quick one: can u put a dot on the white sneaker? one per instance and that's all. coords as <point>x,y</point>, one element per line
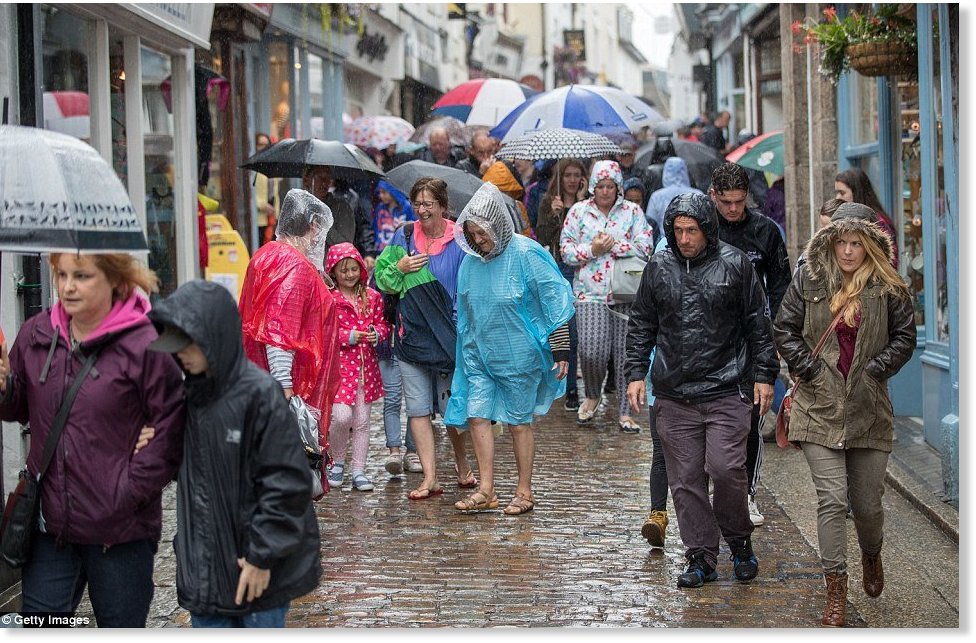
<point>394,464</point>
<point>411,462</point>
<point>754,515</point>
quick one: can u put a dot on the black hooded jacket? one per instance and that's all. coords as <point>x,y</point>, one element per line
<point>707,317</point>
<point>758,237</point>
<point>244,488</point>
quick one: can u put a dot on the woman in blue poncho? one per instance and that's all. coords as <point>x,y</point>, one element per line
<point>513,306</point>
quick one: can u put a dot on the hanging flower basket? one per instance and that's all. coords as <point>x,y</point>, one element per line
<point>882,59</point>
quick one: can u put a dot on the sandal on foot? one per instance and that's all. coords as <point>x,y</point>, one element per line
<point>519,505</point>
<point>629,426</point>
<point>423,493</point>
<point>478,501</point>
<point>585,415</point>
<point>469,482</point>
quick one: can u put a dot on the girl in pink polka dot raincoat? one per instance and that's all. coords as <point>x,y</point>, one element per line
<point>359,317</point>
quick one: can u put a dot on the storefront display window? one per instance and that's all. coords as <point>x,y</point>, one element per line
<point>941,293</point>
<point>160,197</point>
<point>65,52</point>
<point>316,84</point>
<point>865,92</point>
<point>910,229</point>
<point>117,101</point>
<point>280,86</point>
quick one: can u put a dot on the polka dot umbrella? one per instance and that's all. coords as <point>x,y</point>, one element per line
<point>378,132</point>
<point>558,143</point>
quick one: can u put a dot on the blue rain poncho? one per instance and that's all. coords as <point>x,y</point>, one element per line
<point>508,303</point>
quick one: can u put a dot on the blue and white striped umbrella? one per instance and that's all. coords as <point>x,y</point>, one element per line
<point>590,108</point>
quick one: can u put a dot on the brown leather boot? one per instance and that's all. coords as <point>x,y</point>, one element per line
<point>873,574</point>
<point>836,609</point>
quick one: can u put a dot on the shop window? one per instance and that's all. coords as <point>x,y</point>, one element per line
<point>865,113</point>
<point>65,53</point>
<point>910,168</point>
<point>157,124</point>
<point>316,85</point>
<point>280,87</point>
<point>116,54</point>
<point>941,283</point>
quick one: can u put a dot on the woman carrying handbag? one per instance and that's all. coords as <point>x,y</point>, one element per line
<point>841,414</point>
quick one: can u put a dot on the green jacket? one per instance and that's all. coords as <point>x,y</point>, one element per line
<point>827,410</point>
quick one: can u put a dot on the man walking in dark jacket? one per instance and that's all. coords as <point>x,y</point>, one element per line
<point>756,235</point>
<point>702,306</point>
<point>247,541</point>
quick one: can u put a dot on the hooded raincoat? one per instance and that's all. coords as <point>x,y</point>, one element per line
<point>675,181</point>
<point>244,488</point>
<point>707,317</point>
<point>509,302</point>
<point>357,360</point>
<point>502,175</point>
<point>829,409</point>
<point>387,219</point>
<point>285,303</point>
<point>625,223</point>
<point>96,492</point>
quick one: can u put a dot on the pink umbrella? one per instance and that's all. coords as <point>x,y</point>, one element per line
<point>377,132</point>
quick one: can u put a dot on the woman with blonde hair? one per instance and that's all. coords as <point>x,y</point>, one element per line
<point>101,512</point>
<point>849,294</point>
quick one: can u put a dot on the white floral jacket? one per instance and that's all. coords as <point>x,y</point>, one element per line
<point>625,223</point>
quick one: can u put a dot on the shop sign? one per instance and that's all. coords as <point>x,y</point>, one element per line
<point>372,46</point>
<point>191,21</point>
<point>575,39</point>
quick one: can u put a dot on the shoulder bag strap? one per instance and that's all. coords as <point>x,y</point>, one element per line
<point>57,427</point>
<point>823,339</point>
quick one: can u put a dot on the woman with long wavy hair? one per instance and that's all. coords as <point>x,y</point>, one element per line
<point>842,416</point>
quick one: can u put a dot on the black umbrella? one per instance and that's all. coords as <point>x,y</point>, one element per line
<point>461,186</point>
<point>57,194</point>
<point>700,159</point>
<point>289,158</point>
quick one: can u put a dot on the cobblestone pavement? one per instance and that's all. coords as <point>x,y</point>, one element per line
<point>577,560</point>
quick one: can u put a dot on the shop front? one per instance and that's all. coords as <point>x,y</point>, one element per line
<point>903,132</point>
<point>374,65</point>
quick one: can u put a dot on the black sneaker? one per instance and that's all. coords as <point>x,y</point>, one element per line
<point>698,573</point>
<point>744,562</point>
<point>571,403</point>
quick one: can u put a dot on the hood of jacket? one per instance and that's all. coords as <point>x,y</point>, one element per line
<point>398,196</point>
<point>607,170</point>
<point>675,173</point>
<point>504,176</point>
<point>818,249</point>
<point>206,311</point>
<point>124,314</point>
<point>488,211</point>
<point>700,208</point>
<point>342,251</point>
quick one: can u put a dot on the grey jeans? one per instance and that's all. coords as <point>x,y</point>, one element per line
<point>707,438</point>
<point>835,473</point>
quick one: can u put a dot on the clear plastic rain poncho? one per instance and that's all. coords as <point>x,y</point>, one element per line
<point>509,301</point>
<point>304,223</point>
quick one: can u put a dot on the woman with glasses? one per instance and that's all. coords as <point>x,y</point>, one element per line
<point>420,265</point>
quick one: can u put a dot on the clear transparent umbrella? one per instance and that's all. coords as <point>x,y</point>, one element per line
<point>57,194</point>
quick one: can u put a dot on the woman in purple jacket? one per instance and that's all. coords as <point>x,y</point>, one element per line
<point>101,511</point>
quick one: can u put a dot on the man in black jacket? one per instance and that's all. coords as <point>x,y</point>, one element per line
<point>701,304</point>
<point>351,224</point>
<point>756,235</point>
<point>247,540</point>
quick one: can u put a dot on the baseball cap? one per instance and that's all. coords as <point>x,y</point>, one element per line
<point>171,340</point>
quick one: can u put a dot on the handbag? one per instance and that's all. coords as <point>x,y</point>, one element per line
<point>625,279</point>
<point>23,503</point>
<point>308,431</point>
<point>786,406</point>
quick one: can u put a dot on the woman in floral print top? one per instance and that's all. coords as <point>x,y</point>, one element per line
<point>597,232</point>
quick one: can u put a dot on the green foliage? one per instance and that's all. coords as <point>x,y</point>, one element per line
<point>834,35</point>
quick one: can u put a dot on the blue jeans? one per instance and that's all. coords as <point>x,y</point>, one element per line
<point>274,617</point>
<point>392,401</point>
<point>119,580</point>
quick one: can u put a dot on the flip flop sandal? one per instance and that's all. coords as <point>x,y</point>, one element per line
<point>468,483</point>
<point>478,501</point>
<point>424,493</point>
<point>629,426</point>
<point>519,505</point>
